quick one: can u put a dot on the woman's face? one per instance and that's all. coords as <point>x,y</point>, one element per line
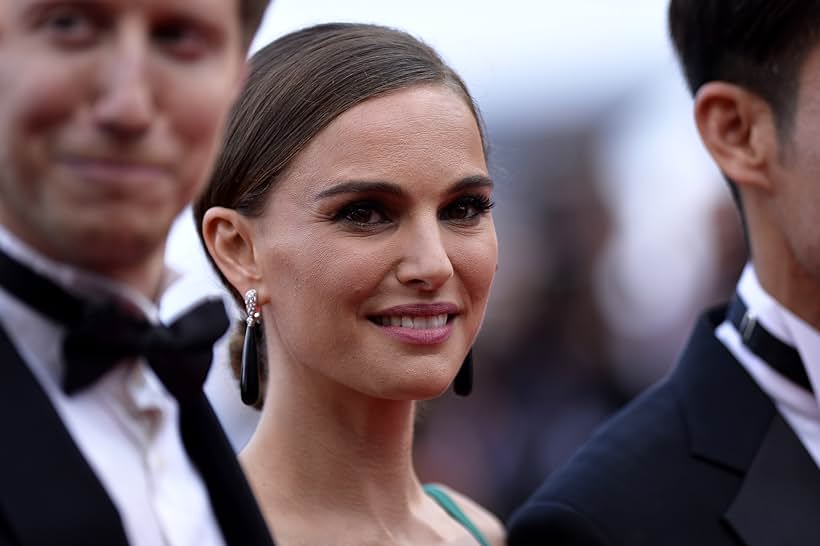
<point>377,248</point>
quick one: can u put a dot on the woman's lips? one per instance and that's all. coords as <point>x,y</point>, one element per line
<point>418,324</point>
<point>415,336</point>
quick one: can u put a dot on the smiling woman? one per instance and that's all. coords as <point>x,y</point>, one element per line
<point>353,196</point>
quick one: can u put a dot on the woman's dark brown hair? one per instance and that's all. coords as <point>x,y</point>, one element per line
<point>296,86</point>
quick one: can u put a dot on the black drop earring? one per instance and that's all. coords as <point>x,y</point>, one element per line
<point>249,371</point>
<point>463,383</point>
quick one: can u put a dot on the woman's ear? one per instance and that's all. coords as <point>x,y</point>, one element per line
<point>739,131</point>
<point>227,236</point>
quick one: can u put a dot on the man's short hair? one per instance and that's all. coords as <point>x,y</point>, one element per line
<point>760,45</point>
<point>250,14</point>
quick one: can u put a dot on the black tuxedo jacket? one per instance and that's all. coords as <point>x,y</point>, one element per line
<point>50,496</point>
<point>702,459</point>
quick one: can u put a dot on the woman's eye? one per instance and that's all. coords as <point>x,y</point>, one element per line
<point>467,208</point>
<point>362,214</point>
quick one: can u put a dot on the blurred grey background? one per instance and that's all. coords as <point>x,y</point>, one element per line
<point>614,227</point>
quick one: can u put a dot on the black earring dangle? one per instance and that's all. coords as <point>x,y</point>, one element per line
<point>249,372</point>
<point>463,383</point>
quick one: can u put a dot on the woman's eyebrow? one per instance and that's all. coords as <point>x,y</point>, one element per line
<point>360,187</point>
<point>471,182</point>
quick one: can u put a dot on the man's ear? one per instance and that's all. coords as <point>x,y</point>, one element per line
<point>739,131</point>
<point>227,236</point>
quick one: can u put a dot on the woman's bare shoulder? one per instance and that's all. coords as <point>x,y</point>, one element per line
<point>487,522</point>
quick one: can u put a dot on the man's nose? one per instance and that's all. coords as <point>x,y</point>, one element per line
<point>124,104</point>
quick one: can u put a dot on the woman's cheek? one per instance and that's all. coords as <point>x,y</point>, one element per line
<point>478,262</point>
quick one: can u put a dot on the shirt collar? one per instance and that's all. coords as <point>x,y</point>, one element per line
<point>81,282</point>
<point>782,323</point>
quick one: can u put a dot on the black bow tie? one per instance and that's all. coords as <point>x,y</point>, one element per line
<point>101,335</point>
<point>783,358</point>
<point>180,354</point>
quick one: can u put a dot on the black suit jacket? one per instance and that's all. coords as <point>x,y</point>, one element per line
<point>702,459</point>
<point>50,496</point>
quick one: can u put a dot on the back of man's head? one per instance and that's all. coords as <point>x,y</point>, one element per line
<point>759,45</point>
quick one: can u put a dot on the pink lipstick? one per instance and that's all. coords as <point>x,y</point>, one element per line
<point>417,323</point>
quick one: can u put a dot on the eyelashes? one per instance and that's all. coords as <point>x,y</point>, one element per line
<point>362,213</point>
<point>467,207</point>
<point>465,210</point>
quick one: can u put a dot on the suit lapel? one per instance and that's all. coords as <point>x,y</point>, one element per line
<point>48,492</point>
<point>779,501</point>
<point>231,497</point>
<point>733,425</point>
<point>726,413</point>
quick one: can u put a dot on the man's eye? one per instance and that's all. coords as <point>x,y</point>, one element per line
<point>180,39</point>
<point>71,26</point>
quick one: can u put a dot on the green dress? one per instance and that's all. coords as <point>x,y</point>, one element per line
<point>444,500</point>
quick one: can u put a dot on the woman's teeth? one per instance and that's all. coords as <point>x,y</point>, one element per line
<point>416,323</point>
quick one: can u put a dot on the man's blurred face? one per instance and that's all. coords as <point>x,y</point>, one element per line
<point>111,113</point>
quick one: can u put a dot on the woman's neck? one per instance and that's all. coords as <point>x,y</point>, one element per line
<point>327,452</point>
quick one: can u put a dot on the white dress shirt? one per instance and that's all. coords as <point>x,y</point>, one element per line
<point>125,424</point>
<point>799,407</point>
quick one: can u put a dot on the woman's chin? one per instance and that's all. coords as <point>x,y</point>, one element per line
<point>425,388</point>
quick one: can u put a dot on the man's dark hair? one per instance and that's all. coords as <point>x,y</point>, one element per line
<point>760,45</point>
<point>250,17</point>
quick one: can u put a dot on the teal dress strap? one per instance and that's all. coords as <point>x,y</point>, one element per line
<point>444,500</point>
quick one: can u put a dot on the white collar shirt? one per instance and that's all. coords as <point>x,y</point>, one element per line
<point>799,407</point>
<point>125,424</point>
